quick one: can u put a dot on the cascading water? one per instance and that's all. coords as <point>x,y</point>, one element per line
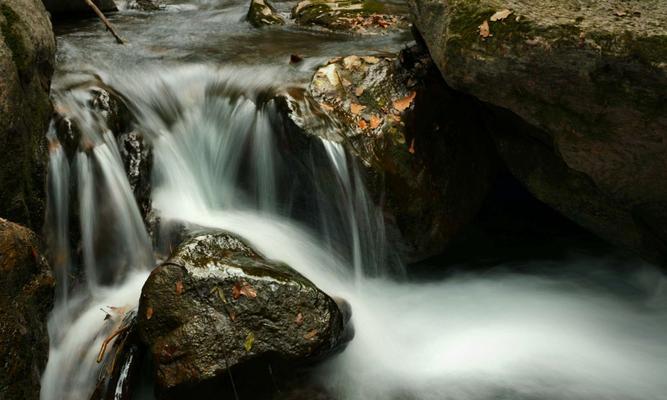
<point>218,164</point>
<point>222,158</point>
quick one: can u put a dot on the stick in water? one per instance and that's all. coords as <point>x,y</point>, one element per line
<point>106,22</point>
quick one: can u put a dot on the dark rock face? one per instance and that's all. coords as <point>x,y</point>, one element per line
<point>26,297</point>
<point>427,163</point>
<point>216,305</point>
<point>591,82</point>
<point>76,8</point>
<point>27,49</point>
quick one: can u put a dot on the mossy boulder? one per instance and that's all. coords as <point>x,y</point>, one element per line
<point>27,50</point>
<point>591,79</point>
<point>361,16</point>
<point>426,158</point>
<point>26,298</point>
<point>262,13</point>
<point>217,307</point>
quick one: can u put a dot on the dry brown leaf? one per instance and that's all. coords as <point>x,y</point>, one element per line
<point>412,147</point>
<point>179,287</point>
<point>359,91</point>
<point>484,30</point>
<point>500,15</point>
<point>149,313</point>
<point>362,124</point>
<point>375,121</point>
<point>299,319</point>
<point>243,289</point>
<point>404,103</point>
<point>310,335</point>
<point>355,108</point>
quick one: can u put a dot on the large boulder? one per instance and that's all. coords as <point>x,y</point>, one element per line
<point>217,306</point>
<point>428,164</point>
<point>26,297</point>
<point>588,81</point>
<point>27,51</point>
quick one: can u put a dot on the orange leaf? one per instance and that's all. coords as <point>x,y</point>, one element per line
<point>243,289</point>
<point>149,313</point>
<point>375,121</point>
<point>404,103</point>
<point>179,287</point>
<point>310,335</point>
<point>484,30</point>
<point>359,91</point>
<point>356,108</point>
<point>363,124</point>
<point>412,146</point>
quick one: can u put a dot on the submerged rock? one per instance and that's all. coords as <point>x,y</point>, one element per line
<point>588,84</point>
<point>262,13</point>
<point>216,306</point>
<point>362,16</point>
<point>428,161</point>
<point>26,298</point>
<point>27,49</point>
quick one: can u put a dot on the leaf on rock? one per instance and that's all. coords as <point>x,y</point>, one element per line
<point>221,293</point>
<point>249,341</point>
<point>299,319</point>
<point>484,30</point>
<point>375,121</point>
<point>500,15</point>
<point>362,124</point>
<point>149,312</point>
<point>179,287</point>
<point>310,335</point>
<point>404,103</point>
<point>355,108</point>
<point>243,289</point>
<point>359,91</point>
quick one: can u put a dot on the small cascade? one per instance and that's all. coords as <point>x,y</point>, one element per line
<point>222,158</point>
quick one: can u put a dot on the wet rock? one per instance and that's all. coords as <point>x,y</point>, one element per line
<point>590,81</point>
<point>26,298</point>
<point>144,5</point>
<point>27,49</point>
<point>217,307</point>
<point>427,159</point>
<point>262,13</point>
<point>361,16</point>
<point>76,8</point>
<point>137,156</point>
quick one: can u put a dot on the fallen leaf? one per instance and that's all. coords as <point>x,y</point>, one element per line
<point>359,91</point>
<point>243,289</point>
<point>484,30</point>
<point>620,13</point>
<point>355,108</point>
<point>310,335</point>
<point>326,107</point>
<point>179,288</point>
<point>149,313</point>
<point>412,146</point>
<point>404,103</point>
<point>299,319</point>
<point>232,316</point>
<point>363,124</point>
<point>500,15</point>
<point>220,293</point>
<point>375,121</point>
<point>249,341</point>
<point>371,60</point>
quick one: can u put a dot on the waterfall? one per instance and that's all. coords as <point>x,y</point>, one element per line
<point>223,159</point>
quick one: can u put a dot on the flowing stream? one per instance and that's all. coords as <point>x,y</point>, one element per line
<point>195,76</point>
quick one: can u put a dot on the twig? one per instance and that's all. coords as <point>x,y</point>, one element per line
<point>105,21</point>
<point>103,349</point>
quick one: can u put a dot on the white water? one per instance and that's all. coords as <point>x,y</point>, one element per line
<point>470,337</point>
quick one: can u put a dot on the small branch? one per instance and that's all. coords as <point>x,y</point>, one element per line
<point>103,349</point>
<point>105,21</point>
